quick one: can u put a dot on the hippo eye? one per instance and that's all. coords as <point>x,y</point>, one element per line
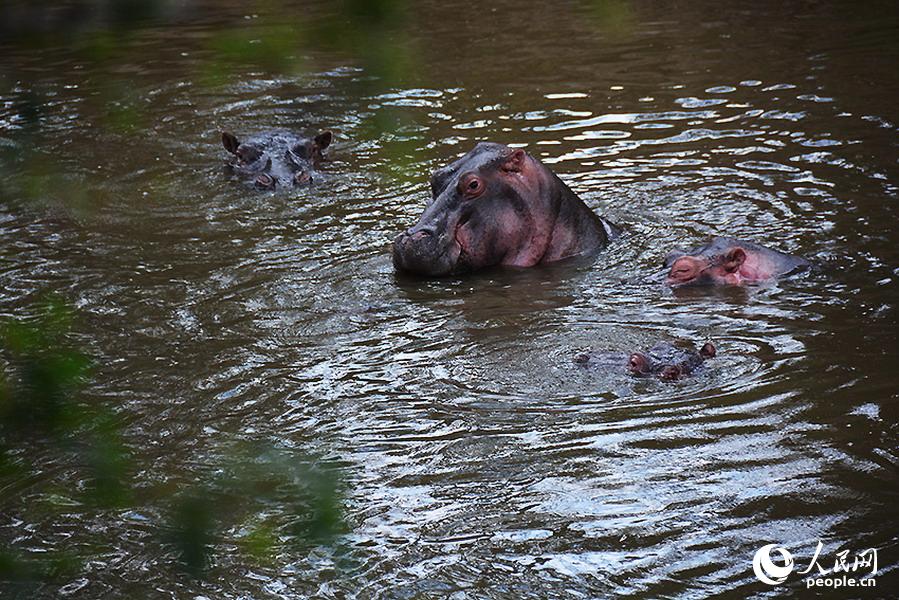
<point>472,186</point>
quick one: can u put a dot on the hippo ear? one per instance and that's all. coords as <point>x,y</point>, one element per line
<point>638,364</point>
<point>733,260</point>
<point>515,161</point>
<point>673,256</point>
<point>229,141</point>
<point>708,350</point>
<point>323,140</point>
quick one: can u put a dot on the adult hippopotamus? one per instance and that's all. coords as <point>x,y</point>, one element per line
<point>727,261</point>
<point>664,360</point>
<point>279,158</point>
<point>498,206</point>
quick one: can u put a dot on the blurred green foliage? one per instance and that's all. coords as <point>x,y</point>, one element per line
<point>274,47</point>
<point>63,458</point>
<point>45,425</point>
<point>44,372</point>
<point>614,18</point>
<point>18,568</point>
<point>267,499</point>
<point>371,31</point>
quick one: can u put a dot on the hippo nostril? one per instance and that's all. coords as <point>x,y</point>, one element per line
<point>670,373</point>
<point>265,181</point>
<point>302,177</point>
<point>419,234</point>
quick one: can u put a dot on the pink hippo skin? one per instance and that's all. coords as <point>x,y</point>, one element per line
<point>726,261</point>
<point>498,206</point>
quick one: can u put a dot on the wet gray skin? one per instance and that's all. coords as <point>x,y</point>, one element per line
<point>276,159</point>
<point>664,360</point>
<point>729,261</point>
<point>498,206</point>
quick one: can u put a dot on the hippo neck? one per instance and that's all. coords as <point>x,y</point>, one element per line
<point>577,229</point>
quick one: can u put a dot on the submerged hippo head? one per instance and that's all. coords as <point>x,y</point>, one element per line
<point>664,360</point>
<point>276,159</point>
<point>497,206</point>
<point>668,362</point>
<point>726,261</point>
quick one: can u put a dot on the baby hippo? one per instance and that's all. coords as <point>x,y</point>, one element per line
<point>726,261</point>
<point>664,360</point>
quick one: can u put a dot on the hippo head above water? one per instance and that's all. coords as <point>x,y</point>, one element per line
<point>666,361</point>
<point>726,261</point>
<point>278,159</point>
<point>498,206</point>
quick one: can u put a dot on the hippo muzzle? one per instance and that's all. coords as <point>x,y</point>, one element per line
<point>424,252</point>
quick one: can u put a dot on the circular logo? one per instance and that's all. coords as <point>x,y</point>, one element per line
<point>766,570</point>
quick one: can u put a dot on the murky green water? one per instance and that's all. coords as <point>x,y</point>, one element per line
<point>479,460</point>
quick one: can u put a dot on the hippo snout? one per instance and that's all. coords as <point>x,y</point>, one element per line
<point>423,252</point>
<point>409,252</point>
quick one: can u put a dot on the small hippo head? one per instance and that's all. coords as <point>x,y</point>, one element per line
<point>496,206</point>
<point>277,159</point>
<point>705,269</point>
<point>727,261</point>
<point>667,362</point>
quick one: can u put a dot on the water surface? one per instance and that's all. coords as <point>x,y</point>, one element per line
<point>479,460</point>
